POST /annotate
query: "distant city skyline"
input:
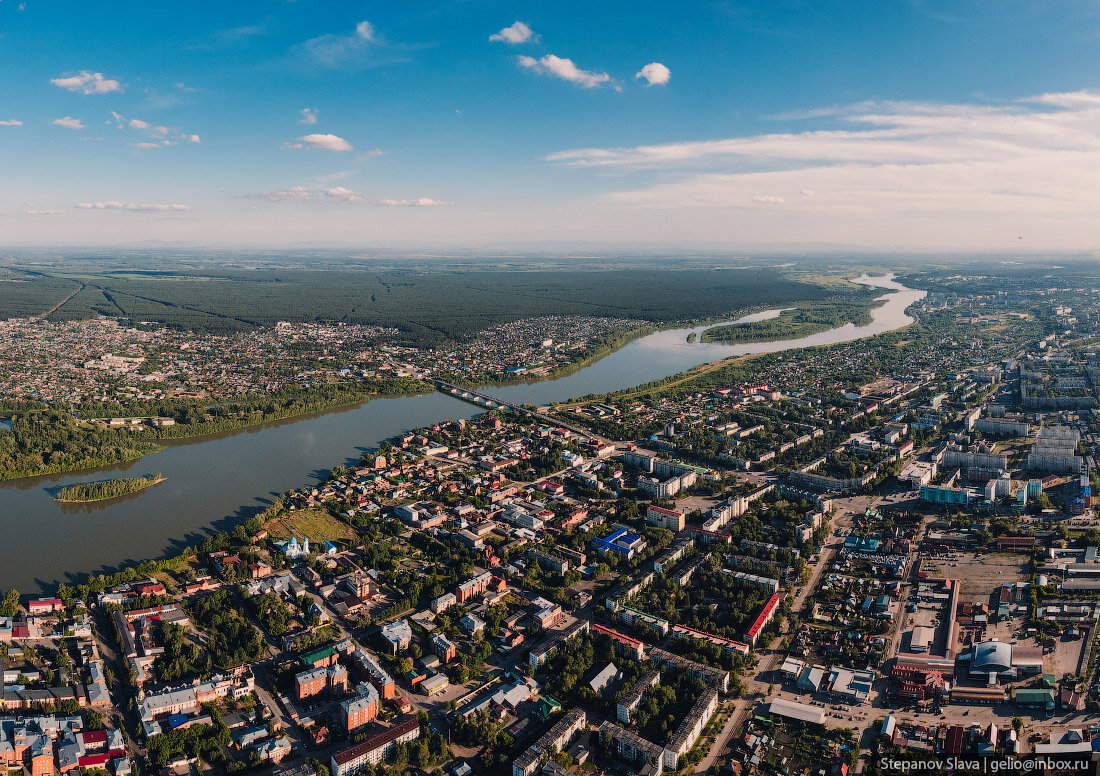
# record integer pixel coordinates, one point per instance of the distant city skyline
(915, 124)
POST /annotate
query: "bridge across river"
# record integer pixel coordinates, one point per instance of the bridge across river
(493, 403)
(480, 399)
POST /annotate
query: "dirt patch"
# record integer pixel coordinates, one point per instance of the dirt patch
(980, 575)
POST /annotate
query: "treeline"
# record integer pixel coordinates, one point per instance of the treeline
(25, 294)
(880, 355)
(271, 612)
(482, 729)
(193, 416)
(664, 706)
(104, 489)
(52, 441)
(430, 308)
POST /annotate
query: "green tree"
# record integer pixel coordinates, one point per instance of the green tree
(9, 607)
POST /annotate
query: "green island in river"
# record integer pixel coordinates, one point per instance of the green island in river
(107, 489)
(800, 321)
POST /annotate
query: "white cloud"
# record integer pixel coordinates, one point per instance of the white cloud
(517, 33)
(43, 212)
(895, 173)
(1082, 99)
(916, 133)
(87, 82)
(421, 202)
(309, 116)
(68, 122)
(11, 123)
(158, 136)
(339, 192)
(132, 206)
(323, 143)
(341, 51)
(655, 74)
(565, 69)
(283, 195)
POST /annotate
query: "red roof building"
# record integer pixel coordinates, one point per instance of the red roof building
(94, 739)
(94, 760)
(766, 615)
(45, 606)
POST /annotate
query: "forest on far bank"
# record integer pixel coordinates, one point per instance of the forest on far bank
(430, 308)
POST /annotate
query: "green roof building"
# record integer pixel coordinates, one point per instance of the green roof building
(1032, 697)
(547, 706)
(325, 656)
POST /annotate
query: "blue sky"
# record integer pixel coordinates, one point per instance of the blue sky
(907, 124)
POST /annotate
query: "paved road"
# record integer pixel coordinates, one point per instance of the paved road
(733, 722)
(120, 693)
(756, 688)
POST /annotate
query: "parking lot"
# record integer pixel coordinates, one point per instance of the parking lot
(979, 574)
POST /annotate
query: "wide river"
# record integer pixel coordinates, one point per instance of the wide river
(215, 483)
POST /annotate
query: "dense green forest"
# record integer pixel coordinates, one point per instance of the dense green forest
(181, 659)
(45, 440)
(104, 489)
(207, 742)
(233, 640)
(801, 321)
(50, 441)
(23, 294)
(429, 307)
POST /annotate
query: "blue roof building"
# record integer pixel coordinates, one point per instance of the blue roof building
(620, 541)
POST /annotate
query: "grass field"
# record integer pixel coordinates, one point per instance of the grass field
(313, 524)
